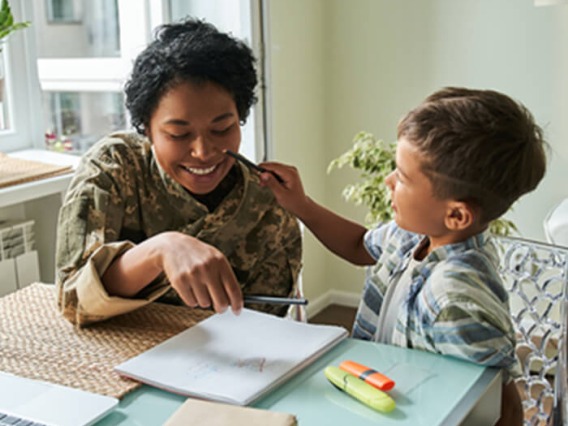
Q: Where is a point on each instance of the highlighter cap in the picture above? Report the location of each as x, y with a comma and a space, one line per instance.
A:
369, 375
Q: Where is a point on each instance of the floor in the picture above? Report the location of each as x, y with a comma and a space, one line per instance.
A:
335, 315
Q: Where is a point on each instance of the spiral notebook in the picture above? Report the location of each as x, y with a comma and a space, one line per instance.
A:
232, 359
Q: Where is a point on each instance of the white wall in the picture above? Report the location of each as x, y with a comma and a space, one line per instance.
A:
381, 58
297, 51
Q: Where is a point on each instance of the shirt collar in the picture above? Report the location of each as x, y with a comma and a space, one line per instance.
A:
477, 241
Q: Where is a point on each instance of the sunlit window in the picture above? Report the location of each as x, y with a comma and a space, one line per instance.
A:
82, 52
75, 119
79, 30
63, 10
4, 96
19, 90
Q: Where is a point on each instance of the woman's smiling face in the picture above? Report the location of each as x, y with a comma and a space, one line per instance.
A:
191, 127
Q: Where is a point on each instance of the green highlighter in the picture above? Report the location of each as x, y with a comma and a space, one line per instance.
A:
358, 389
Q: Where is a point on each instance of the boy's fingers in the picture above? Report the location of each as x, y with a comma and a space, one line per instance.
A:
277, 188
269, 180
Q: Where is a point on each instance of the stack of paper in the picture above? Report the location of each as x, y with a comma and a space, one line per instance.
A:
233, 359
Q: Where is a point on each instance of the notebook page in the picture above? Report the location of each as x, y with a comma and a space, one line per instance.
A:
231, 358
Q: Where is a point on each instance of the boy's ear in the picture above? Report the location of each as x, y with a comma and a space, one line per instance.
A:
460, 215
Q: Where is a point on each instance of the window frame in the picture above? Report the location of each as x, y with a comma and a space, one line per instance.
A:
21, 79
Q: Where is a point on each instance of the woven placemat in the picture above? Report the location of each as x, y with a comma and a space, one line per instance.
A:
37, 342
14, 171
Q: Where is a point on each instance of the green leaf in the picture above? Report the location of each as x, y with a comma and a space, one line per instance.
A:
4, 12
7, 25
375, 159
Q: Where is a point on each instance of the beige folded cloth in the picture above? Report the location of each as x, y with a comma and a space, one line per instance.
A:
195, 412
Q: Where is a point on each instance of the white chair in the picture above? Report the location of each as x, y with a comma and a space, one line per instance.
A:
536, 276
298, 312
556, 224
561, 388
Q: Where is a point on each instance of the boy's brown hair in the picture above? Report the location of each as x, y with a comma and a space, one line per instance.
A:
478, 146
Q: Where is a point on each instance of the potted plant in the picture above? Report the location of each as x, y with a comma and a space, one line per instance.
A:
376, 159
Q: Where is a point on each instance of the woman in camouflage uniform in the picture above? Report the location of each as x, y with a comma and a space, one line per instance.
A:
162, 214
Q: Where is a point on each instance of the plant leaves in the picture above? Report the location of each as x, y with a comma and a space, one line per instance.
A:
7, 25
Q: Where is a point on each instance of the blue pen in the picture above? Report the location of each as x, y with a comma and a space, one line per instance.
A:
275, 300
358, 389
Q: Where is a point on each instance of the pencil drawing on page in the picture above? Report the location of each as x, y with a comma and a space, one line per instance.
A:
204, 369
251, 364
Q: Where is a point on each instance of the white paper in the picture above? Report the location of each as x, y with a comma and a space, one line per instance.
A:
27, 265
230, 358
9, 281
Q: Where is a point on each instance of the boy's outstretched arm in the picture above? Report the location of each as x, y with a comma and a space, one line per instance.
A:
341, 236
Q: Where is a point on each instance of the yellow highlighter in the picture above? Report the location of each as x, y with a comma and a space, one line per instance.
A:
358, 389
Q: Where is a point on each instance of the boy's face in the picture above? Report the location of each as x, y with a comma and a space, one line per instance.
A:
415, 207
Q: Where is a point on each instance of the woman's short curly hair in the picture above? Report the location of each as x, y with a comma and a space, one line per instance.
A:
190, 50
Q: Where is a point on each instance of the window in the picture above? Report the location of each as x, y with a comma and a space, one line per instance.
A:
4, 99
63, 10
83, 62
20, 109
84, 51
76, 120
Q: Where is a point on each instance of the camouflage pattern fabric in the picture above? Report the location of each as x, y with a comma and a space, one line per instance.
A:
120, 196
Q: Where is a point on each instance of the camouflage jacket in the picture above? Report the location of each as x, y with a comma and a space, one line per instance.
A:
120, 196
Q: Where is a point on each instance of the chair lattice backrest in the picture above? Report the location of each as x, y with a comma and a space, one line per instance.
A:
536, 276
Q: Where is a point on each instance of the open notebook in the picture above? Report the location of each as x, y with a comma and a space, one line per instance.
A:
232, 359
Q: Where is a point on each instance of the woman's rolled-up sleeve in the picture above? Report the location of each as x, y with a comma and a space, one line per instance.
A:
88, 229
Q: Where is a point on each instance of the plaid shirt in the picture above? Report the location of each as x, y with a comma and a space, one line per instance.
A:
456, 305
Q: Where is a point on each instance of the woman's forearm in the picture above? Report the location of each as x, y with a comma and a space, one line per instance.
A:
135, 269
199, 273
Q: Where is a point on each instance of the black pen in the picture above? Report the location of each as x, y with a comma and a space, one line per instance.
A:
251, 165
275, 300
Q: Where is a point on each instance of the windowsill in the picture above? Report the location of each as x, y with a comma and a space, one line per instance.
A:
42, 187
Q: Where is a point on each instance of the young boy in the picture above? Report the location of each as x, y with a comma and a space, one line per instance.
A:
463, 157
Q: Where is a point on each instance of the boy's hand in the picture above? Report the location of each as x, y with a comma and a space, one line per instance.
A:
290, 193
342, 236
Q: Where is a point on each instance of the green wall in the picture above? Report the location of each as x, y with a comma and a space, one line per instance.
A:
343, 66
297, 81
